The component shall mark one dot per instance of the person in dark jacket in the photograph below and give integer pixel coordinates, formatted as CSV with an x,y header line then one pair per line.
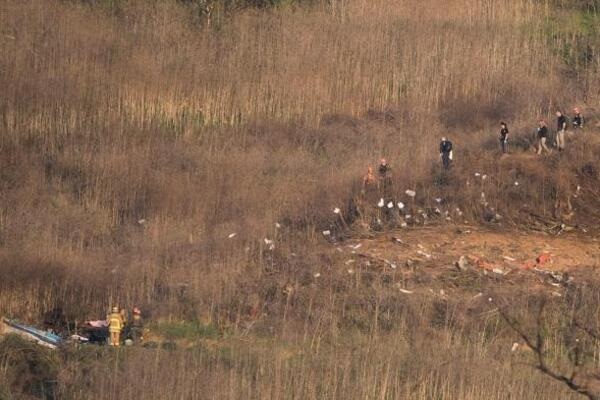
x,y
578,119
503,137
542,134
561,129
385,177
446,152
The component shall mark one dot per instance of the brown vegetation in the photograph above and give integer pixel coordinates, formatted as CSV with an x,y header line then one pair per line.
x,y
134,140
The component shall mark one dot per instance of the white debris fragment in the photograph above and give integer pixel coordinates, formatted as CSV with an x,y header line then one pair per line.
x,y
326,233
381,203
477,174
422,253
141,221
400,205
498,271
438,200
411,193
403,225
478,295
507,258
277,225
271,247
350,271
317,275
268,241
490,299
484,177
438,211
516,183
336,210
406,291
556,294
390,204
514,347
232,235
348,262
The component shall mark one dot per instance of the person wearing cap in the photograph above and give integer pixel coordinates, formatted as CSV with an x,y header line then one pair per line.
x,y
137,326
561,122
115,326
503,137
577,119
542,134
446,152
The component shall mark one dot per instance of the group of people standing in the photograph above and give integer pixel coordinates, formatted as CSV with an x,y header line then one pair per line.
x,y
562,126
118,324
383,180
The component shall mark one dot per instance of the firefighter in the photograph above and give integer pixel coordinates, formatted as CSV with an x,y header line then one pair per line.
x,y
137,326
115,326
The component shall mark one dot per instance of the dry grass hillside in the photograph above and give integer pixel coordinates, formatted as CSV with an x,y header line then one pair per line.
x,y
137,136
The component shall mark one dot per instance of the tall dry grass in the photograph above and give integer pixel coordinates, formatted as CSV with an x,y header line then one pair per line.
x,y
134,141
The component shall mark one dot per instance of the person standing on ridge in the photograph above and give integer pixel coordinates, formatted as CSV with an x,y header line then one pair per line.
x,y
503,137
385,179
446,152
542,134
561,122
115,326
577,119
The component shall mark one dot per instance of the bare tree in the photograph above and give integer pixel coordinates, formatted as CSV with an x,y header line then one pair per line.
x,y
574,379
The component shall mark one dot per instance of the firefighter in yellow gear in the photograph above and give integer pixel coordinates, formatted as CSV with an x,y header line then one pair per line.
x,y
115,326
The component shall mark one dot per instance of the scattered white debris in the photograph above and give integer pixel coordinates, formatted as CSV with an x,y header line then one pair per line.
x,y
422,253
484,177
326,233
438,200
516,183
356,246
408,216
339,249
411,193
271,247
477,174
556,294
390,204
478,295
400,205
336,210
514,347
442,292
232,235
381,203
438,211
498,271
317,275
277,225
403,225
350,271
348,262
141,221
490,299
406,291
507,258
